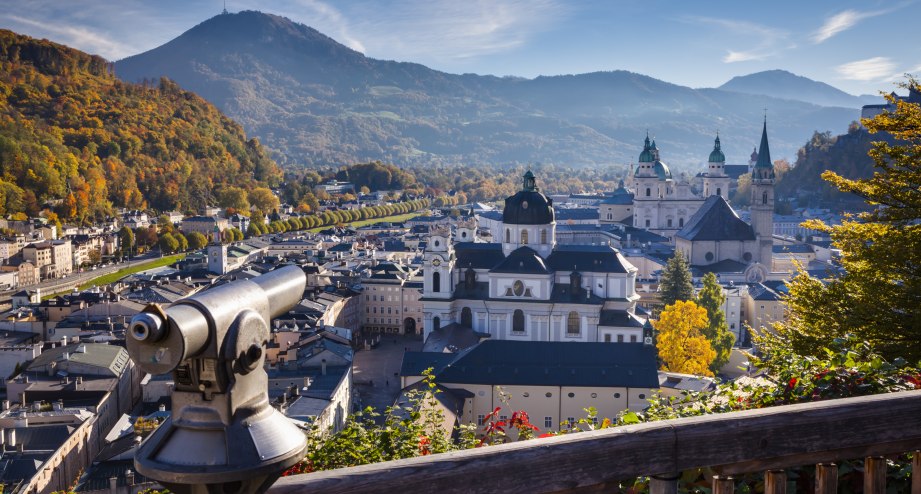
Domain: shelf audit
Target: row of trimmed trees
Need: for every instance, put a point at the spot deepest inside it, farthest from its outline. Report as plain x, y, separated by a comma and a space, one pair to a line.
259, 226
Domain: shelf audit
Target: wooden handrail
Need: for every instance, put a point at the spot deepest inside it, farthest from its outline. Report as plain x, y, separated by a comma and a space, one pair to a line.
748, 441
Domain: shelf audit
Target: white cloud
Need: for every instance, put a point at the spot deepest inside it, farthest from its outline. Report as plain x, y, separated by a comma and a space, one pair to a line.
89, 40
428, 31
871, 69
769, 41
331, 22
842, 22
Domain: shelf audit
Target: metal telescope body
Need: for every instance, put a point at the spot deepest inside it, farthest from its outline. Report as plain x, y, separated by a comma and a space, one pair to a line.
223, 435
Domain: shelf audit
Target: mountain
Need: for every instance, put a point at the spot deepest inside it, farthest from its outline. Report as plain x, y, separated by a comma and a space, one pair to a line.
786, 85
75, 137
315, 102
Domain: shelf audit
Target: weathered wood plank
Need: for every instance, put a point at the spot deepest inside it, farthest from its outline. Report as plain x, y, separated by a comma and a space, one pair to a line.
874, 475
758, 440
916, 473
775, 482
723, 485
826, 478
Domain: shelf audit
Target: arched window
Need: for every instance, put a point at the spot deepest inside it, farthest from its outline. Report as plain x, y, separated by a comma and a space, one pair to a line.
648, 192
508, 236
524, 237
764, 197
543, 235
518, 321
436, 323
573, 323
719, 191
680, 222
436, 282
466, 317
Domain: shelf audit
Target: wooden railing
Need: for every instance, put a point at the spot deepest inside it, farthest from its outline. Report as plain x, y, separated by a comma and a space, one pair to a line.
765, 440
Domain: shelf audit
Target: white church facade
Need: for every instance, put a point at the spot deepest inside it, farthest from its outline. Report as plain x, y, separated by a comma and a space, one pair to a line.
526, 287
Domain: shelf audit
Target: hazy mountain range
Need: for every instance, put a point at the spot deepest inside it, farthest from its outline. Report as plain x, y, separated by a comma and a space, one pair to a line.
316, 102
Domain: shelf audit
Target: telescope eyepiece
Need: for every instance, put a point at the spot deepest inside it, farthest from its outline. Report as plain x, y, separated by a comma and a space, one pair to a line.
147, 327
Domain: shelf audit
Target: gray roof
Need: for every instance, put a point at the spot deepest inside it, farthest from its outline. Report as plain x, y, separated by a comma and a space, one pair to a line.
478, 255
111, 357
588, 258
715, 220
523, 260
541, 363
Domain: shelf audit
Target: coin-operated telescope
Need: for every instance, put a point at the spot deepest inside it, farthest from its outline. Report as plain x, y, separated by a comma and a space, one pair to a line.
223, 435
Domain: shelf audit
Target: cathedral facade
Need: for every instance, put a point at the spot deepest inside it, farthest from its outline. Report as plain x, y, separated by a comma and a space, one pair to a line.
659, 203
526, 287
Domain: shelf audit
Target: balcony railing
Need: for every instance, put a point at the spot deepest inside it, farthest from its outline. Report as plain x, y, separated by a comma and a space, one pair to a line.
765, 440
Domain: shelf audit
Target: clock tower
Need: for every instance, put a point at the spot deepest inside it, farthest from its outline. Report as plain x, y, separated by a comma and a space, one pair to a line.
438, 278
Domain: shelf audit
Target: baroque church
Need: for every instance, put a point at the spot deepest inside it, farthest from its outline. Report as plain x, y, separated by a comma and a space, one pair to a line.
527, 287
658, 202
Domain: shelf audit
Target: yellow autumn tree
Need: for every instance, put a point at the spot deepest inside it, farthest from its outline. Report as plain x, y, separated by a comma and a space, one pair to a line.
682, 345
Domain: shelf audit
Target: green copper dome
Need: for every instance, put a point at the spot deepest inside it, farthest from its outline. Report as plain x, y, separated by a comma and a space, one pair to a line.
646, 156
717, 156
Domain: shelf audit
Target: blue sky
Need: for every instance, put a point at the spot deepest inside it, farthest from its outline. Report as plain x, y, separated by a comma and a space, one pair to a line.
858, 46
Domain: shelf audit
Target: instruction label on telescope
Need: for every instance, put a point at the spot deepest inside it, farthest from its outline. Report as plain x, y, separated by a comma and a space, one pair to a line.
208, 372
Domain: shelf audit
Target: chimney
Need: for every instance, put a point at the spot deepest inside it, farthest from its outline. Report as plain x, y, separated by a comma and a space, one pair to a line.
64, 340
129, 477
323, 367
162, 407
66, 355
6, 405
22, 399
113, 485
59, 405
11, 439
79, 381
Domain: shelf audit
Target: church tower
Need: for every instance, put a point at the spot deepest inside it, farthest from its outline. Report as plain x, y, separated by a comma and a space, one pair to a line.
438, 264
716, 182
217, 253
762, 201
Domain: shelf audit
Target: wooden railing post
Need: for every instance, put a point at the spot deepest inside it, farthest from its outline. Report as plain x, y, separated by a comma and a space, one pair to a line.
916, 473
874, 475
723, 485
775, 482
826, 478
664, 484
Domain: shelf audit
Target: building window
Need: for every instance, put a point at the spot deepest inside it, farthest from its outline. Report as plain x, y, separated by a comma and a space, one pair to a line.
680, 222
633, 338
573, 323
607, 338
719, 191
436, 282
642, 396
524, 237
548, 422
571, 421
436, 323
466, 317
764, 197
708, 256
543, 235
508, 236
503, 417
669, 222
518, 321
647, 223
480, 419
620, 338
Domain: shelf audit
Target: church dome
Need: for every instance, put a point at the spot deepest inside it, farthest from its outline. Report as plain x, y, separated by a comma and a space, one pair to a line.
717, 156
528, 206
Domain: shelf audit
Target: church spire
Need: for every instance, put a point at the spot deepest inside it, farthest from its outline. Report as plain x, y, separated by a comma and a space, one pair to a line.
764, 168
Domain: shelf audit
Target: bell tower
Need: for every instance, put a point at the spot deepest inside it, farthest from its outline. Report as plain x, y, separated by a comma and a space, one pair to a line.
716, 182
762, 201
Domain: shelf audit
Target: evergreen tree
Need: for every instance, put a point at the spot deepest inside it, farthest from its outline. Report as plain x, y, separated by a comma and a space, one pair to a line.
675, 282
711, 298
879, 295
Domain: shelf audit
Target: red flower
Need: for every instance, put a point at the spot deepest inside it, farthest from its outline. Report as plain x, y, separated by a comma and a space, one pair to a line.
425, 445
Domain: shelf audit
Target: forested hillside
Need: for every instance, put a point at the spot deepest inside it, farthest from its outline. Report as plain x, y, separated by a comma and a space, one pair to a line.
845, 154
76, 138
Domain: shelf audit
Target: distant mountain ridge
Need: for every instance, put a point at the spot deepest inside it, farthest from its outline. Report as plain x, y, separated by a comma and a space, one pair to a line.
315, 102
783, 84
